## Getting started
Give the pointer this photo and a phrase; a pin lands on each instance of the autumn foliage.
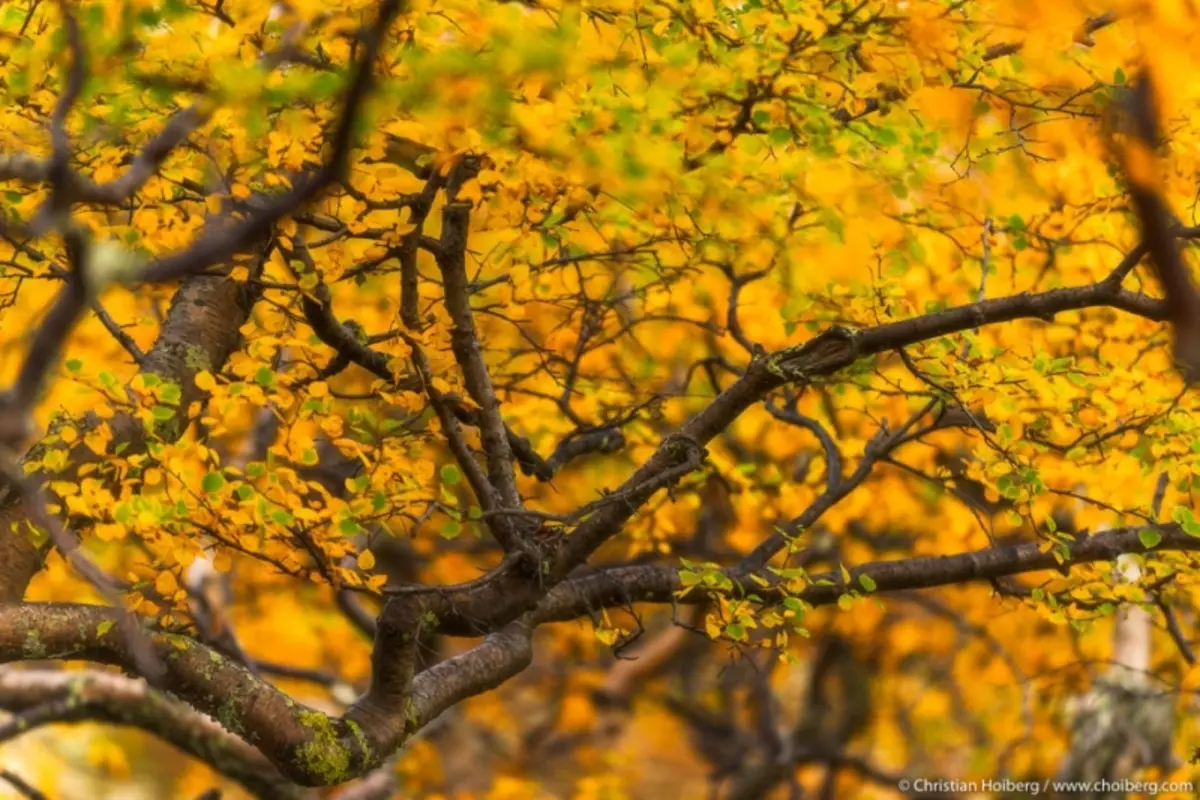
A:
(605, 399)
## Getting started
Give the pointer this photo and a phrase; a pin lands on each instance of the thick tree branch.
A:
(43, 696)
(621, 586)
(306, 745)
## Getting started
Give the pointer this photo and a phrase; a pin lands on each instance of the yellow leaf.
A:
(165, 584)
(205, 382)
(366, 560)
(109, 531)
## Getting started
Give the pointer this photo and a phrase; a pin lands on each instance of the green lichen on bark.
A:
(196, 358)
(323, 755)
(410, 715)
(360, 736)
(33, 646)
(209, 669)
(228, 716)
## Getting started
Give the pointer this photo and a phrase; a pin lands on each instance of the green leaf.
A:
(149, 17)
(1149, 537)
(162, 413)
(171, 394)
(213, 482)
(349, 527)
(264, 376)
(104, 627)
(1183, 515)
(450, 474)
(451, 529)
(867, 582)
(74, 365)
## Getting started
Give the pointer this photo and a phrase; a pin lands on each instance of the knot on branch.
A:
(684, 450)
(600, 440)
(462, 170)
(828, 352)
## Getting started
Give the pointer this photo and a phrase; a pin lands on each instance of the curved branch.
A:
(307, 746)
(44, 696)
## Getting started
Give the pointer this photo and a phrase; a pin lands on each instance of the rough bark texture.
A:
(52, 696)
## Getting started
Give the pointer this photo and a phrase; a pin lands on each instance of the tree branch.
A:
(308, 746)
(621, 586)
(105, 697)
(468, 350)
